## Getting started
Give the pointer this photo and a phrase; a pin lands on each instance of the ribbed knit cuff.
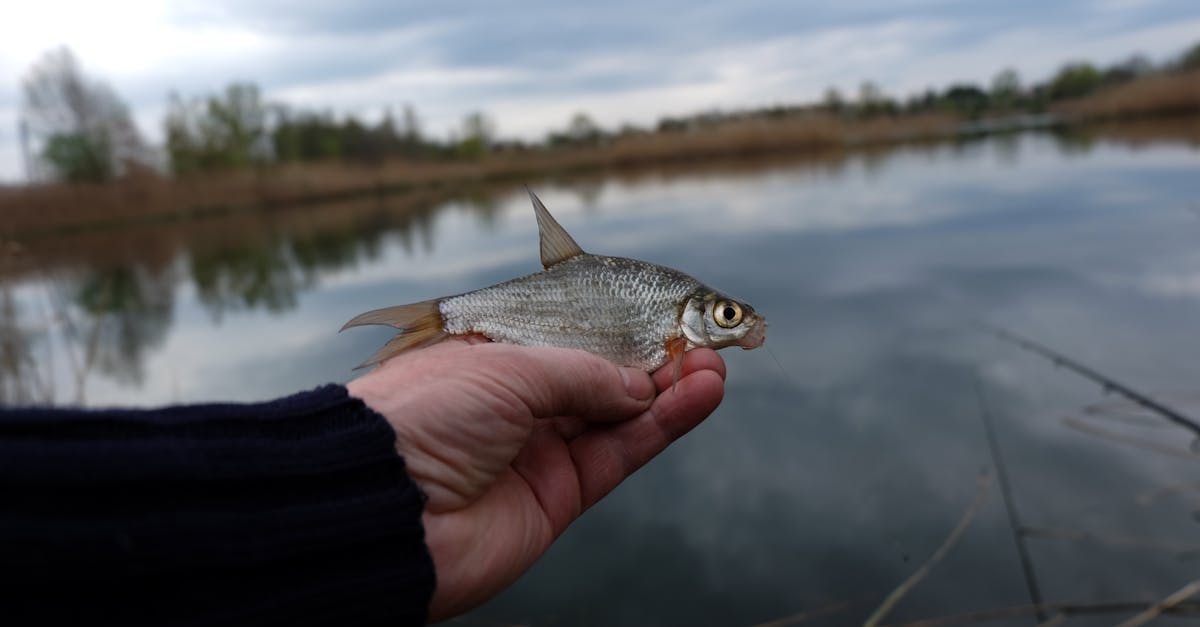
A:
(294, 511)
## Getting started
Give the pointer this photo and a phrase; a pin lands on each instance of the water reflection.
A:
(124, 311)
(23, 382)
(251, 275)
(825, 483)
(98, 301)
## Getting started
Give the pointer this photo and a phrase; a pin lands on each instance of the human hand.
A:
(511, 444)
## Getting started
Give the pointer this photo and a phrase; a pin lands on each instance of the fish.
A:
(631, 312)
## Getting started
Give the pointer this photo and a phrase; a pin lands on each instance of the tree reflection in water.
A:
(246, 276)
(22, 382)
(97, 303)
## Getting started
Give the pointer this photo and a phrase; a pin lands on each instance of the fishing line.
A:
(787, 377)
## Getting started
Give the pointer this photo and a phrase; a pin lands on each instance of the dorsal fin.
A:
(557, 246)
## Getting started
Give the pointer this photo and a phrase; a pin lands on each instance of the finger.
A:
(562, 382)
(605, 456)
(693, 360)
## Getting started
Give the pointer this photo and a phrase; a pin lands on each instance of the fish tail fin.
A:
(399, 316)
(421, 324)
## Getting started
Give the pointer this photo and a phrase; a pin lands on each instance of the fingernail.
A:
(637, 384)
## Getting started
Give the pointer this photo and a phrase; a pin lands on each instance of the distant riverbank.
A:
(1169, 102)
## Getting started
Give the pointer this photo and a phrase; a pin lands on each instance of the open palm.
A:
(511, 444)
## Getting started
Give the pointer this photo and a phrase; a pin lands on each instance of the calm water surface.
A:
(826, 481)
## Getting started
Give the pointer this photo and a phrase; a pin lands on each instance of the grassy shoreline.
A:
(144, 196)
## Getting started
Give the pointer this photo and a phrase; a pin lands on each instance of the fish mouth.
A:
(755, 337)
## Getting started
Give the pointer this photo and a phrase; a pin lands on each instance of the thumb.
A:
(554, 382)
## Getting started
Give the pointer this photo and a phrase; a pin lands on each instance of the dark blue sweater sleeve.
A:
(296, 511)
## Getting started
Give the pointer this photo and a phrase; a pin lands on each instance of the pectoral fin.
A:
(556, 245)
(676, 347)
(421, 324)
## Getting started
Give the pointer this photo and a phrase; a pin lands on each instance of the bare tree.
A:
(411, 126)
(872, 100)
(80, 128)
(833, 101)
(478, 133)
(583, 130)
(1006, 89)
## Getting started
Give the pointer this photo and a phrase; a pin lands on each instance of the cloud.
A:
(534, 64)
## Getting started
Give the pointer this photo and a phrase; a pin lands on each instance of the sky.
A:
(531, 65)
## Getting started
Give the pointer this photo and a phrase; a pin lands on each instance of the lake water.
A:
(823, 481)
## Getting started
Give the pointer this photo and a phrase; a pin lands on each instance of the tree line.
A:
(76, 128)
(237, 128)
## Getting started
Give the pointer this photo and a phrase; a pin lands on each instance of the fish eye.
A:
(727, 314)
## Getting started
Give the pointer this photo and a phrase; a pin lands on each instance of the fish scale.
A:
(621, 309)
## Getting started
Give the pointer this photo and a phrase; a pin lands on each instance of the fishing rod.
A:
(1010, 508)
(1109, 384)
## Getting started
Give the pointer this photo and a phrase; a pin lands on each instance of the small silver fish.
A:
(630, 312)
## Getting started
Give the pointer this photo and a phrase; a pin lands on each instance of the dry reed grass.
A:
(154, 245)
(1167, 94)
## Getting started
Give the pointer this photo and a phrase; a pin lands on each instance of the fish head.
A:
(714, 320)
